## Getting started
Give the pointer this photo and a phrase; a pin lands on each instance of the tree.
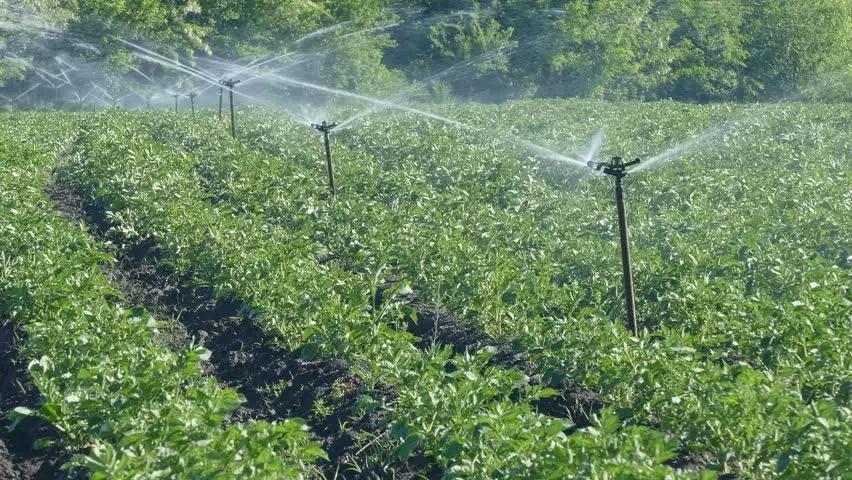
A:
(610, 49)
(794, 46)
(706, 48)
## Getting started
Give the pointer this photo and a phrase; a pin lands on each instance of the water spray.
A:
(27, 92)
(618, 169)
(56, 96)
(231, 83)
(325, 128)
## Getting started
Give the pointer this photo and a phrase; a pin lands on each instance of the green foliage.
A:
(603, 49)
(355, 64)
(706, 49)
(470, 38)
(731, 272)
(133, 408)
(467, 415)
(245, 28)
(798, 47)
(683, 49)
(741, 258)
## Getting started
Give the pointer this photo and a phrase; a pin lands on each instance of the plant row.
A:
(473, 419)
(477, 231)
(133, 408)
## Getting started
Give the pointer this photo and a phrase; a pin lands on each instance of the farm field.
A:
(455, 311)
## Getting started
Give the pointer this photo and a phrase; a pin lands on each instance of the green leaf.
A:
(783, 462)
(309, 352)
(408, 447)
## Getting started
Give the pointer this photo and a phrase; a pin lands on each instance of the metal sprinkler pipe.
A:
(176, 101)
(231, 83)
(148, 102)
(618, 169)
(325, 128)
(221, 93)
(192, 96)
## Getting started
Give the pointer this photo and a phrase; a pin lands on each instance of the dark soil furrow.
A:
(439, 327)
(19, 457)
(275, 382)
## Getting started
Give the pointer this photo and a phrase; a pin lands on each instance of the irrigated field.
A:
(455, 311)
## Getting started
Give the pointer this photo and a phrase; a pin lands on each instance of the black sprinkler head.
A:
(324, 127)
(230, 83)
(615, 167)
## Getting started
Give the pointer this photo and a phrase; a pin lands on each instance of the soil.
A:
(276, 382)
(434, 326)
(438, 327)
(19, 460)
(690, 461)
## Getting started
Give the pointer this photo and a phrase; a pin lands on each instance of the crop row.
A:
(474, 419)
(741, 242)
(130, 406)
(474, 230)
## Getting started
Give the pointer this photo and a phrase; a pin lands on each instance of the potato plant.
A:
(472, 418)
(128, 405)
(738, 246)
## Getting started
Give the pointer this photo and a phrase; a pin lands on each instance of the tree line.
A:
(692, 50)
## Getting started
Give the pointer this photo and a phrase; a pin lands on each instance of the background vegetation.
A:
(694, 50)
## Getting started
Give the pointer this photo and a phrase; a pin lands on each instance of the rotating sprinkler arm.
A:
(615, 167)
(231, 83)
(192, 96)
(324, 127)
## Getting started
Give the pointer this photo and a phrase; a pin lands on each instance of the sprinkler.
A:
(148, 101)
(326, 129)
(192, 96)
(231, 83)
(618, 169)
(221, 93)
(176, 96)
